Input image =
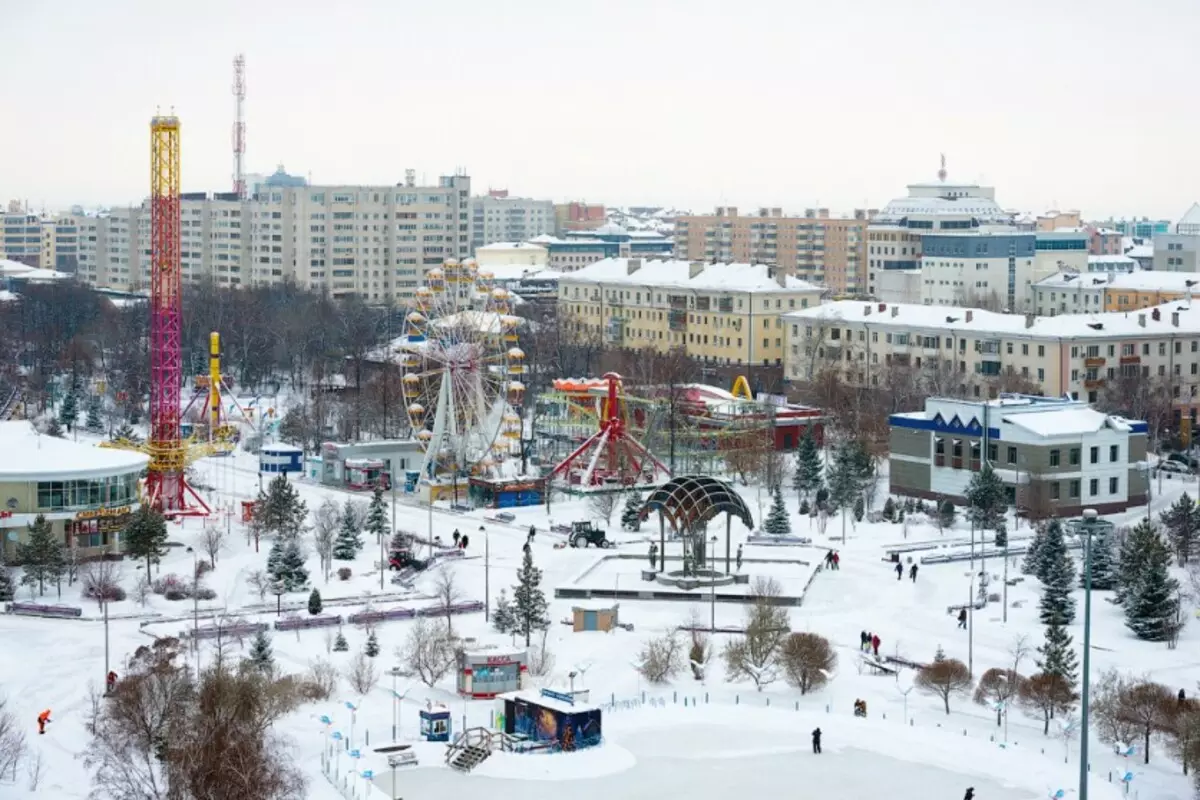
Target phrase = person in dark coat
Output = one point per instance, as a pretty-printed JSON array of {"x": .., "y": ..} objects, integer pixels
[
  {"x": 970, "y": 795},
  {"x": 912, "y": 573},
  {"x": 962, "y": 618},
  {"x": 837, "y": 560},
  {"x": 899, "y": 571},
  {"x": 863, "y": 638},
  {"x": 462, "y": 543},
  {"x": 816, "y": 734},
  {"x": 457, "y": 537},
  {"x": 739, "y": 558},
  {"x": 532, "y": 532}
]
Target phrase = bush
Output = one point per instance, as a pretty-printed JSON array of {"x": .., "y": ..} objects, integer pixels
[
  {"x": 660, "y": 659},
  {"x": 169, "y": 583},
  {"x": 176, "y": 593},
  {"x": 205, "y": 593},
  {"x": 112, "y": 593},
  {"x": 344, "y": 573},
  {"x": 203, "y": 567}
]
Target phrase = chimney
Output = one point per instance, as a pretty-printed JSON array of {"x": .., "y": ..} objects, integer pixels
[
  {"x": 867, "y": 310},
  {"x": 1156, "y": 315},
  {"x": 895, "y": 310},
  {"x": 970, "y": 315},
  {"x": 632, "y": 265},
  {"x": 1029, "y": 320},
  {"x": 1175, "y": 318},
  {"x": 1142, "y": 320},
  {"x": 695, "y": 268}
]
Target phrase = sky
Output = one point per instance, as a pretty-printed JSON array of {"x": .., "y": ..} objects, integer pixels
[{"x": 1086, "y": 104}]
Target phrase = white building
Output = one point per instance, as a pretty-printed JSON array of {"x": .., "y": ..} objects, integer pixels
[
  {"x": 496, "y": 217},
  {"x": 508, "y": 262},
  {"x": 979, "y": 268},
  {"x": 898, "y": 285}
]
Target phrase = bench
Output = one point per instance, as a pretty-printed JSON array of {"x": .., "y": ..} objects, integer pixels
[
  {"x": 903, "y": 662},
  {"x": 878, "y": 668},
  {"x": 40, "y": 610},
  {"x": 305, "y": 623}
]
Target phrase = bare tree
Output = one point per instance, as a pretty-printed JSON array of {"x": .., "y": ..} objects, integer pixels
[
  {"x": 1149, "y": 708},
  {"x": 362, "y": 674},
  {"x": 700, "y": 651},
  {"x": 428, "y": 652},
  {"x": 808, "y": 661},
  {"x": 1183, "y": 734},
  {"x": 12, "y": 740},
  {"x": 661, "y": 658},
  {"x": 755, "y": 655},
  {"x": 327, "y": 519},
  {"x": 945, "y": 679},
  {"x": 448, "y": 595},
  {"x": 212, "y": 541},
  {"x": 101, "y": 580},
  {"x": 33, "y": 769},
  {"x": 142, "y": 589},
  {"x": 260, "y": 582},
  {"x": 602, "y": 505},
  {"x": 321, "y": 681},
  {"x": 541, "y": 658},
  {"x": 998, "y": 687},
  {"x": 1045, "y": 695},
  {"x": 228, "y": 635}
]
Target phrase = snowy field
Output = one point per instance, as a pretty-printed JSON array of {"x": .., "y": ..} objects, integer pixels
[{"x": 732, "y": 743}]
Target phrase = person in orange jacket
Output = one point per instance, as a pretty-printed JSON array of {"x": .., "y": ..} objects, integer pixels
[{"x": 43, "y": 718}]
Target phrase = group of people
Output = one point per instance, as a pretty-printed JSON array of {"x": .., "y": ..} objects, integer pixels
[
  {"x": 833, "y": 560},
  {"x": 869, "y": 642},
  {"x": 912, "y": 571},
  {"x": 460, "y": 540}
]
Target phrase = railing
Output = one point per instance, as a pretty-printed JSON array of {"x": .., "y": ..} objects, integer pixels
[{"x": 305, "y": 623}]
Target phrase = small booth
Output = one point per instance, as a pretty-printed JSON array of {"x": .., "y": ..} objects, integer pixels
[
  {"x": 366, "y": 474},
  {"x": 485, "y": 674},
  {"x": 598, "y": 618},
  {"x": 548, "y": 719},
  {"x": 248, "y": 510},
  {"x": 489, "y": 493},
  {"x": 280, "y": 458},
  {"x": 435, "y": 723}
]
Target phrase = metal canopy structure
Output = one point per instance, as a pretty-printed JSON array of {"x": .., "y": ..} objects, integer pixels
[{"x": 689, "y": 502}]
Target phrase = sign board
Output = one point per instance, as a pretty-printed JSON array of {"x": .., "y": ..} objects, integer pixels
[
  {"x": 117, "y": 511},
  {"x": 500, "y": 661},
  {"x": 561, "y": 696},
  {"x": 5, "y": 514}
]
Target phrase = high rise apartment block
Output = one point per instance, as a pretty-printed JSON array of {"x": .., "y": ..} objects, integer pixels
[
  {"x": 815, "y": 247},
  {"x": 497, "y": 217}
]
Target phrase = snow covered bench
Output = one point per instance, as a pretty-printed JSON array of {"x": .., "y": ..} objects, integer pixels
[
  {"x": 237, "y": 631},
  {"x": 40, "y": 610},
  {"x": 380, "y": 616},
  {"x": 304, "y": 623},
  {"x": 878, "y": 667}
]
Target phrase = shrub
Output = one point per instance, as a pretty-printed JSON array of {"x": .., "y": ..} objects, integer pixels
[
  {"x": 176, "y": 593},
  {"x": 205, "y": 593},
  {"x": 203, "y": 567},
  {"x": 169, "y": 583},
  {"x": 343, "y": 573},
  {"x": 112, "y": 593}
]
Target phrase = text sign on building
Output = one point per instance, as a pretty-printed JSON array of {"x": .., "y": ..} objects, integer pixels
[
  {"x": 500, "y": 661},
  {"x": 563, "y": 696},
  {"x": 118, "y": 511}
]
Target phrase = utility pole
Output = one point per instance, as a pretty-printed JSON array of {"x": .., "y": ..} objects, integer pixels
[
  {"x": 1089, "y": 522},
  {"x": 487, "y": 571}
]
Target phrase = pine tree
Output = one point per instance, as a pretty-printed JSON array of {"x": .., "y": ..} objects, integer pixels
[
  {"x": 398, "y": 544},
  {"x": 275, "y": 559},
  {"x": 530, "y": 612},
  {"x": 1182, "y": 521},
  {"x": 68, "y": 412},
  {"x": 146, "y": 536},
  {"x": 347, "y": 543},
  {"x": 127, "y": 433},
  {"x": 1104, "y": 565},
  {"x": 54, "y": 428},
  {"x": 339, "y": 644},
  {"x": 1033, "y": 550},
  {"x": 292, "y": 573},
  {"x": 807, "y": 476},
  {"x": 377, "y": 519},
  {"x": 1058, "y": 655},
  {"x": 314, "y": 603},
  {"x": 629, "y": 516},
  {"x": 1152, "y": 606},
  {"x": 805, "y": 508},
  {"x": 1058, "y": 579},
  {"x": 371, "y": 649},
  {"x": 7, "y": 589},
  {"x": 845, "y": 480},
  {"x": 94, "y": 423},
  {"x": 986, "y": 499},
  {"x": 1000, "y": 540},
  {"x": 946, "y": 514},
  {"x": 279, "y": 510},
  {"x": 777, "y": 522},
  {"x": 1050, "y": 550},
  {"x": 504, "y": 618},
  {"x": 889, "y": 510},
  {"x": 822, "y": 498},
  {"x": 1132, "y": 559},
  {"x": 42, "y": 556},
  {"x": 260, "y": 653},
  {"x": 860, "y": 509}
]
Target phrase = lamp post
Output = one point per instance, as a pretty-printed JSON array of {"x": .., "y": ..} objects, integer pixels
[
  {"x": 712, "y": 586},
  {"x": 195, "y": 612},
  {"x": 397, "y": 697},
  {"x": 971, "y": 626},
  {"x": 428, "y": 483},
  {"x": 1089, "y": 523},
  {"x": 487, "y": 594}
]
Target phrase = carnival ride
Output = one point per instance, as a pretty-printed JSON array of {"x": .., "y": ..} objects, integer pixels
[
  {"x": 208, "y": 419},
  {"x": 461, "y": 373}
]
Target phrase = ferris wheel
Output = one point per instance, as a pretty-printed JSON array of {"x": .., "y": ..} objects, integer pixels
[{"x": 461, "y": 367}]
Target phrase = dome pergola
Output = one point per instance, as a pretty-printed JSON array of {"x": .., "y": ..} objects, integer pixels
[{"x": 689, "y": 502}]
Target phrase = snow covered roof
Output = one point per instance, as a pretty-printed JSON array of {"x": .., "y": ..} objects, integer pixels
[
  {"x": 24, "y": 272},
  {"x": 29, "y": 456},
  {"x": 654, "y": 272},
  {"x": 1191, "y": 217},
  {"x": 1140, "y": 251},
  {"x": 1065, "y": 326},
  {"x": 507, "y": 272},
  {"x": 1142, "y": 280},
  {"x": 508, "y": 246},
  {"x": 610, "y": 229},
  {"x": 982, "y": 207}
]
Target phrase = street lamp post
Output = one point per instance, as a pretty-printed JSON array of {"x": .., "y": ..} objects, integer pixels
[
  {"x": 195, "y": 611},
  {"x": 1089, "y": 522},
  {"x": 487, "y": 594},
  {"x": 713, "y": 587}
]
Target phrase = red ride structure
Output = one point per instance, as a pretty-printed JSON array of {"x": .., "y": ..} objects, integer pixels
[{"x": 166, "y": 487}]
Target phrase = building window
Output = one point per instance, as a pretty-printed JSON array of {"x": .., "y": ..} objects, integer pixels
[
  {"x": 1074, "y": 456},
  {"x": 1114, "y": 485},
  {"x": 1094, "y": 455},
  {"x": 1054, "y": 458},
  {"x": 993, "y": 452},
  {"x": 1055, "y": 492},
  {"x": 1073, "y": 489},
  {"x": 1093, "y": 487},
  {"x": 1114, "y": 452},
  {"x": 1012, "y": 455}
]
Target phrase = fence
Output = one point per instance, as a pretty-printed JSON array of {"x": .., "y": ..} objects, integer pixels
[
  {"x": 235, "y": 631},
  {"x": 305, "y": 623}
]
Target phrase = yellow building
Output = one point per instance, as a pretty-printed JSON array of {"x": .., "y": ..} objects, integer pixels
[
  {"x": 1135, "y": 290},
  {"x": 717, "y": 313}
]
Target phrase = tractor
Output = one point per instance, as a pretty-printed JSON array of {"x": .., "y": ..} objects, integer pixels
[{"x": 584, "y": 533}]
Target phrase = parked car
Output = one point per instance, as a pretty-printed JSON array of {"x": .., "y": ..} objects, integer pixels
[
  {"x": 1183, "y": 458},
  {"x": 1174, "y": 467}
]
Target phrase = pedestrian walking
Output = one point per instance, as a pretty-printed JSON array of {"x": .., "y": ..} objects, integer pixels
[
  {"x": 828, "y": 559},
  {"x": 863, "y": 638},
  {"x": 462, "y": 543},
  {"x": 970, "y": 795},
  {"x": 875, "y": 644},
  {"x": 962, "y": 618},
  {"x": 457, "y": 537},
  {"x": 899, "y": 570},
  {"x": 739, "y": 558},
  {"x": 837, "y": 560},
  {"x": 44, "y": 717},
  {"x": 816, "y": 734},
  {"x": 532, "y": 532},
  {"x": 912, "y": 573}
]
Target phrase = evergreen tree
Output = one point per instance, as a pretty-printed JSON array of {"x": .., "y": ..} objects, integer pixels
[
  {"x": 275, "y": 559},
  {"x": 1104, "y": 564},
  {"x": 339, "y": 644},
  {"x": 371, "y": 649},
  {"x": 1058, "y": 579},
  {"x": 530, "y": 612},
  {"x": 1132, "y": 559},
  {"x": 504, "y": 618},
  {"x": 860, "y": 509},
  {"x": 864, "y": 465},
  {"x": 314, "y": 603},
  {"x": 94, "y": 423},
  {"x": 805, "y": 508},
  {"x": 377, "y": 519},
  {"x": 807, "y": 476},
  {"x": 1182, "y": 521},
  {"x": 1058, "y": 655},
  {"x": 946, "y": 514},
  {"x": 633, "y": 507},
  {"x": 986, "y": 499},
  {"x": 822, "y": 498},
  {"x": 1152, "y": 605},
  {"x": 54, "y": 428},
  {"x": 68, "y": 412},
  {"x": 399, "y": 543},
  {"x": 42, "y": 556},
  {"x": 845, "y": 480},
  {"x": 291, "y": 574},
  {"x": 279, "y": 510},
  {"x": 7, "y": 589},
  {"x": 127, "y": 433},
  {"x": 1000, "y": 539},
  {"x": 1029, "y": 565},
  {"x": 777, "y": 522},
  {"x": 889, "y": 510},
  {"x": 260, "y": 653},
  {"x": 146, "y": 536},
  {"x": 347, "y": 543},
  {"x": 1050, "y": 550}
]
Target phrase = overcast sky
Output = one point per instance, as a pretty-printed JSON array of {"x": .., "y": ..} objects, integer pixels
[{"x": 1086, "y": 104}]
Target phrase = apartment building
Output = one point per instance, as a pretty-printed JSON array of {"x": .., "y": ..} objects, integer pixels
[
  {"x": 1075, "y": 293},
  {"x": 815, "y": 247},
  {"x": 497, "y": 217},
  {"x": 60, "y": 244},
  {"x": 977, "y": 268},
  {"x": 1176, "y": 251},
  {"x": 21, "y": 236},
  {"x": 578, "y": 216},
  {"x": 1054, "y": 456},
  {"x": 717, "y": 313},
  {"x": 375, "y": 242},
  {"x": 579, "y": 249},
  {"x": 965, "y": 351}
]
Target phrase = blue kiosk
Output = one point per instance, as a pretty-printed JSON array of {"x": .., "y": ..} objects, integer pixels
[
  {"x": 435, "y": 723},
  {"x": 280, "y": 459}
]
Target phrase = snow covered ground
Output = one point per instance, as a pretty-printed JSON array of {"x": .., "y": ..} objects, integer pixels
[{"x": 731, "y": 740}]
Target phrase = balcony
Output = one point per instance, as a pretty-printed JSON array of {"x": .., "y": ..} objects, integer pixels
[
  {"x": 678, "y": 301},
  {"x": 677, "y": 320},
  {"x": 1131, "y": 360},
  {"x": 1094, "y": 362},
  {"x": 1095, "y": 383}
]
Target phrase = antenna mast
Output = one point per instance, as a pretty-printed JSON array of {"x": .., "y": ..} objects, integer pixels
[{"x": 239, "y": 125}]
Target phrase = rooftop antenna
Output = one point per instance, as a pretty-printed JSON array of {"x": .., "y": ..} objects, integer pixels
[
  {"x": 942, "y": 171},
  {"x": 239, "y": 125}
]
